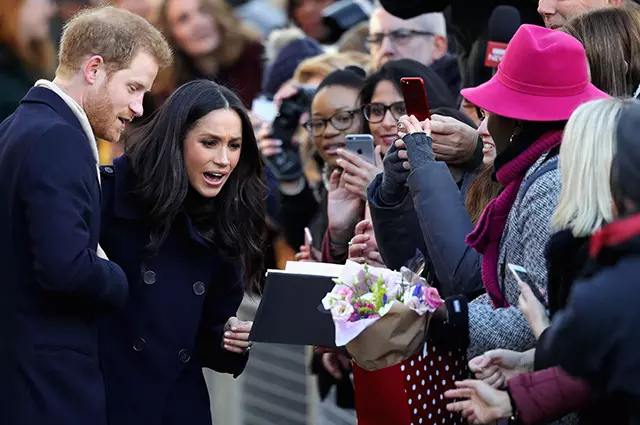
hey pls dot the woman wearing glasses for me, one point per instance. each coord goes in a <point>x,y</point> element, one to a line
<point>335,112</point>
<point>383,105</point>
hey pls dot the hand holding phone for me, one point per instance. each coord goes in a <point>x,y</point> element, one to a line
<point>521,275</point>
<point>361,145</point>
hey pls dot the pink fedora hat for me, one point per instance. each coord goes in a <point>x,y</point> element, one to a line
<point>544,76</point>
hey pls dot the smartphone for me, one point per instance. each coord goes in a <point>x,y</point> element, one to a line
<point>361,145</point>
<point>523,276</point>
<point>264,108</point>
<point>308,239</point>
<point>415,98</point>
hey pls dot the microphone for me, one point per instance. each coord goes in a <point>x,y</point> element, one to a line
<point>503,24</point>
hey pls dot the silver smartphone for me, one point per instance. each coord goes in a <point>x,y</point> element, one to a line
<point>361,145</point>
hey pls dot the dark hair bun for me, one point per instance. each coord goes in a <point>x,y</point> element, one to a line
<point>357,70</point>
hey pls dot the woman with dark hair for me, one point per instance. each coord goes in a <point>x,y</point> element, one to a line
<point>183,215</point>
<point>307,14</point>
<point>382,92</point>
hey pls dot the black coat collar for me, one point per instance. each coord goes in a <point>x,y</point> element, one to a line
<point>48,97</point>
<point>129,207</point>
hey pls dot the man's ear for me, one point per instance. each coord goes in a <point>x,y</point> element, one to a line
<point>92,69</point>
<point>440,46</point>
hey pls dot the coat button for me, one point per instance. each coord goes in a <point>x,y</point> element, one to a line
<point>139,344</point>
<point>108,170</point>
<point>184,355</point>
<point>198,288</point>
<point>149,277</point>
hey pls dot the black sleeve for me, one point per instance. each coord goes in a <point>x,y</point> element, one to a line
<point>295,213</point>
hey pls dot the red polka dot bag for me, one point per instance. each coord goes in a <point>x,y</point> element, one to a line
<point>382,318</point>
<point>412,391</point>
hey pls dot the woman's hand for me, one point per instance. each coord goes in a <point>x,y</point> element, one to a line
<point>533,310</point>
<point>268,147</point>
<point>417,138</point>
<point>496,367</point>
<point>359,173</point>
<point>411,125</point>
<point>236,336</point>
<point>344,209</point>
<point>363,248</point>
<point>335,363</point>
<point>483,403</point>
<point>308,254</point>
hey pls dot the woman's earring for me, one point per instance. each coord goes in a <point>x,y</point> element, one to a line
<point>511,138</point>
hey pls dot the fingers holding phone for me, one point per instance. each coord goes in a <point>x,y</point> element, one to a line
<point>411,125</point>
<point>531,301</point>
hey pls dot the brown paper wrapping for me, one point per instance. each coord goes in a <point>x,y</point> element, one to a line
<point>393,338</point>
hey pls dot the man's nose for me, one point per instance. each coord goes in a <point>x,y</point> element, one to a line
<point>136,106</point>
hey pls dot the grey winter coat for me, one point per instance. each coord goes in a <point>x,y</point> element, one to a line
<point>443,223</point>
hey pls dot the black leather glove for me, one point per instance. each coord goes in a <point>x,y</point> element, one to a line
<point>285,165</point>
<point>419,149</point>
<point>393,189</point>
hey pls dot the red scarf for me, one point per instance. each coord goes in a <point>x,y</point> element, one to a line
<point>614,234</point>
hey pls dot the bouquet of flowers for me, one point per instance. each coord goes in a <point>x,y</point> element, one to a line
<point>381,317</point>
<point>396,302</point>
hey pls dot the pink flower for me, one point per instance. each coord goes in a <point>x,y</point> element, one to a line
<point>432,298</point>
<point>343,292</point>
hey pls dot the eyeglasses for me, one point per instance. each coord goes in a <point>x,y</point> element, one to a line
<point>341,121</point>
<point>375,112</point>
<point>399,37</point>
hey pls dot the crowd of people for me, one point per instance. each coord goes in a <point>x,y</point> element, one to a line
<point>156,157</point>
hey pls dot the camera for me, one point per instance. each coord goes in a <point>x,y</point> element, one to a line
<point>286,165</point>
<point>285,124</point>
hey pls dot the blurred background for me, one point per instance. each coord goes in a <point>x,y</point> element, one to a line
<point>261,49</point>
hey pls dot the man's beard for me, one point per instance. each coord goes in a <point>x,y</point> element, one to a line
<point>99,111</point>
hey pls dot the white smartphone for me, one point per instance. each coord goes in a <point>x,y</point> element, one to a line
<point>361,145</point>
<point>308,239</point>
<point>521,275</point>
<point>264,108</point>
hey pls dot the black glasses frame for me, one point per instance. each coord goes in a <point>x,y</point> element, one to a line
<point>366,110</point>
<point>325,121</point>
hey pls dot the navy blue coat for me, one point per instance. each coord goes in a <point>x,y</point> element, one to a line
<point>153,352</point>
<point>54,286</point>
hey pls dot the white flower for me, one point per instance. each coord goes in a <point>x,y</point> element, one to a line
<point>342,310</point>
<point>329,301</point>
<point>412,302</point>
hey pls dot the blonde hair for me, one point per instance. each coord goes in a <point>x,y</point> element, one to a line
<point>278,40</point>
<point>586,153</point>
<point>115,34</point>
<point>322,65</point>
